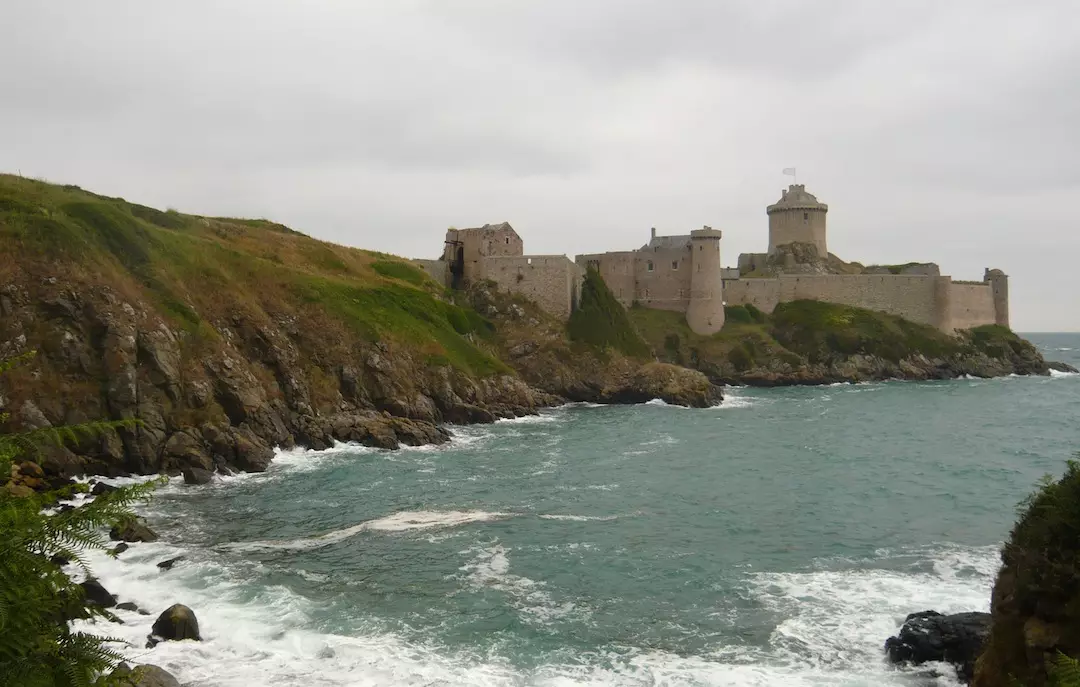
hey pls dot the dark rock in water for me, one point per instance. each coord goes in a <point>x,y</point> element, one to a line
<point>194,475</point>
<point>142,676</point>
<point>102,488</point>
<point>931,636</point>
<point>1061,367</point>
<point>119,549</point>
<point>135,530</point>
<point>65,507</point>
<point>97,594</point>
<point>59,560</point>
<point>176,623</point>
<point>127,606</point>
<point>167,565</point>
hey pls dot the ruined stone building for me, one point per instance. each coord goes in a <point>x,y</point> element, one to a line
<point>683,273</point>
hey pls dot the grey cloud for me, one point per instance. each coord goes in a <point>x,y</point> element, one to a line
<point>935,130</point>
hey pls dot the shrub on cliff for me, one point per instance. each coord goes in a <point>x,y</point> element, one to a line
<point>1035,636</point>
<point>36,596</point>
<point>601,321</point>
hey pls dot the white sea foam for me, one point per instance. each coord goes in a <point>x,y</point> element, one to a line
<point>578,518</point>
<point>403,521</point>
<point>835,621</point>
<point>490,568</point>
<point>1059,373</point>
<point>733,399</point>
<point>300,459</point>
<point>544,417</point>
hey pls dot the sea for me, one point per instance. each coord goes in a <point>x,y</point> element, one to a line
<point>777,539</point>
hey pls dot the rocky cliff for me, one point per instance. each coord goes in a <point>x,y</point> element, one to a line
<point>223,338</point>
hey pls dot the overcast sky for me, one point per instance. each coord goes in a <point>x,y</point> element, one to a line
<point>937,130</point>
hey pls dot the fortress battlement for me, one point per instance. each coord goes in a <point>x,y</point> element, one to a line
<point>683,273</point>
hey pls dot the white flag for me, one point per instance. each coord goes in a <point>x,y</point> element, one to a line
<point>790,171</point>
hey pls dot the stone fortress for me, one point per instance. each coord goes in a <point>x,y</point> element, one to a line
<point>684,273</point>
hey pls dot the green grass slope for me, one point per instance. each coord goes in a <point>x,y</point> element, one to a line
<point>198,270</point>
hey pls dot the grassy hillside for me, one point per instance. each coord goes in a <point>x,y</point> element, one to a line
<point>804,334</point>
<point>201,270</point>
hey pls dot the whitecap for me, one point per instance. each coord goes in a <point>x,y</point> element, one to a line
<point>403,521</point>
<point>1059,373</point>
<point>577,518</point>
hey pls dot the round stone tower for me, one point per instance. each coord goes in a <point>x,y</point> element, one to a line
<point>705,314</point>
<point>797,217</point>
<point>999,285</point>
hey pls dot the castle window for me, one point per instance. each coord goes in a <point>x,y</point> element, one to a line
<point>806,215</point>
<point>528,261</point>
<point>674,264</point>
<point>508,240</point>
<point>649,266</point>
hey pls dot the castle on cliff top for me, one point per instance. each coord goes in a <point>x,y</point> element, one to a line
<point>683,273</point>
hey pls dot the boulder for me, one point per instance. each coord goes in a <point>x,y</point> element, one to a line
<point>119,549</point>
<point>133,530</point>
<point>176,623</point>
<point>102,488</point>
<point>252,453</point>
<point>167,565</point>
<point>185,449</point>
<point>142,676</point>
<point>96,594</point>
<point>930,636</point>
<point>127,606</point>
<point>197,476</point>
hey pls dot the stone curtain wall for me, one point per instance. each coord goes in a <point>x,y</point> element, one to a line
<point>764,294</point>
<point>436,269</point>
<point>915,297</point>
<point>552,281</point>
<point>667,285</point>
<point>617,271</point>
<point>972,305</point>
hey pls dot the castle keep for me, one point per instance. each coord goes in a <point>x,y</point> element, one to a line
<point>684,273</point>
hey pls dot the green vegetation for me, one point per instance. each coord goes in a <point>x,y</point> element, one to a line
<point>601,321</point>
<point>397,269</point>
<point>1035,636</point>
<point>819,331</point>
<point>199,271</point>
<point>804,332</point>
<point>37,648</point>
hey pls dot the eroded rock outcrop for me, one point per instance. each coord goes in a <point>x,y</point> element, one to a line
<point>930,636</point>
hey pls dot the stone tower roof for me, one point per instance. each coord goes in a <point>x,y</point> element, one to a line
<point>796,197</point>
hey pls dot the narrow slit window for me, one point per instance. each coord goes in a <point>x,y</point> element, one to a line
<point>674,264</point>
<point>649,266</point>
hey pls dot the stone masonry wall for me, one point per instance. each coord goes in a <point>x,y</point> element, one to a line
<point>436,269</point>
<point>972,305</point>
<point>617,270</point>
<point>478,244</point>
<point>666,286</point>
<point>918,298</point>
<point>552,281</point>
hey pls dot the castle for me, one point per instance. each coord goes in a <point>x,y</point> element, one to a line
<point>684,273</point>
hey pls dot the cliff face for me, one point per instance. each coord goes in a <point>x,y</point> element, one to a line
<point>225,337</point>
<point>812,342</point>
<point>1035,606</point>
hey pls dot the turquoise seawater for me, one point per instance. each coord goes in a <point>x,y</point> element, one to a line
<point>775,540</point>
